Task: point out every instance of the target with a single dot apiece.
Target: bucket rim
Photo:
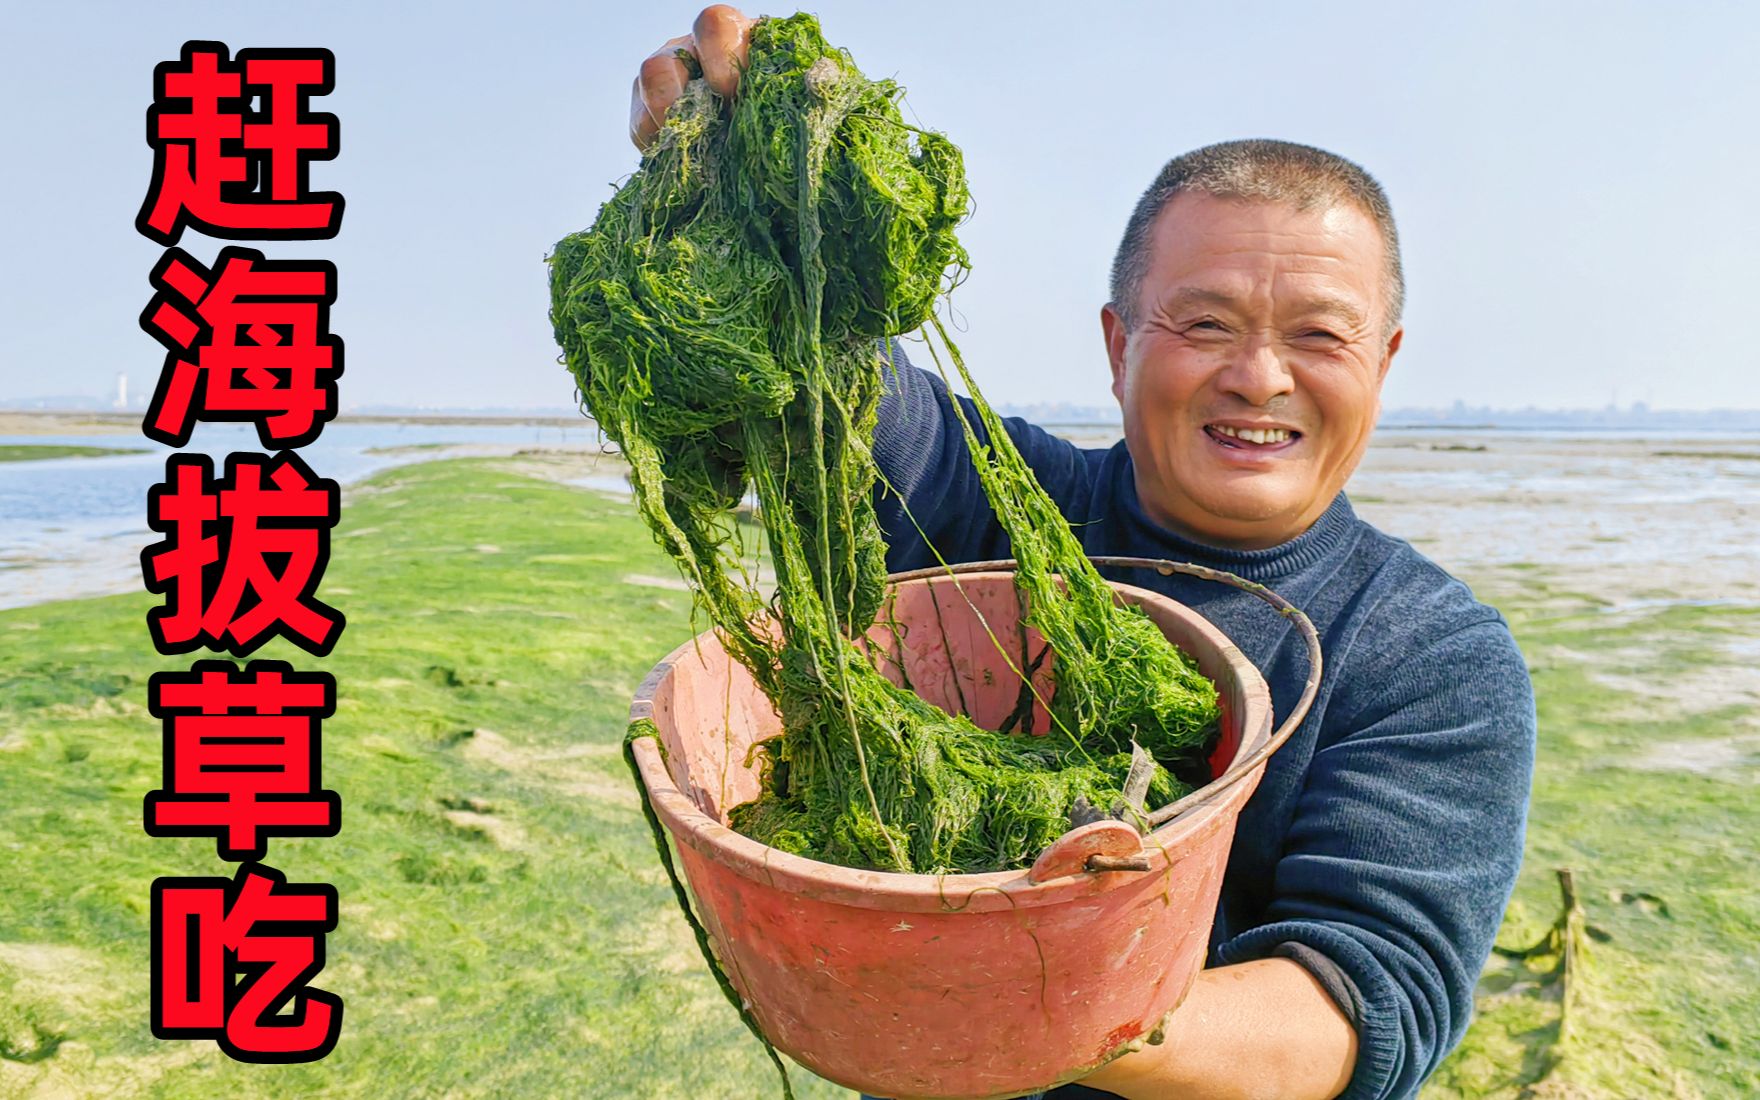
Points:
(688, 824)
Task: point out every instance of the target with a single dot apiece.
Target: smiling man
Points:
(1249, 337)
(1254, 313)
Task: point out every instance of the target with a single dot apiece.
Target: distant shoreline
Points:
(77, 422)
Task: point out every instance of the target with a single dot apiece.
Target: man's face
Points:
(1252, 317)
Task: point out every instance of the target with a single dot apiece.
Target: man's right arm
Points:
(929, 499)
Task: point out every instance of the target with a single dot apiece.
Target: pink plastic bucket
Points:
(956, 986)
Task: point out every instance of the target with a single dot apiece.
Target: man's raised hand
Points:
(718, 42)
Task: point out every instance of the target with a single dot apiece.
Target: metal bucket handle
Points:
(1237, 769)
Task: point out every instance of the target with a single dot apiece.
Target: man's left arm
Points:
(1400, 858)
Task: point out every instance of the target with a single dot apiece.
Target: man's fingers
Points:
(718, 40)
(639, 131)
(657, 87)
(721, 33)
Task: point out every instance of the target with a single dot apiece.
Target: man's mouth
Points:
(1249, 439)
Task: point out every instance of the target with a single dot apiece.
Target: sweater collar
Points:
(1311, 546)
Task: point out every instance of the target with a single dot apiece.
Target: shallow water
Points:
(1597, 512)
(75, 526)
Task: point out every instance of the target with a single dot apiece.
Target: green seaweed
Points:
(722, 319)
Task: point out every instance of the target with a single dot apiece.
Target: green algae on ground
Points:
(723, 319)
(37, 452)
(541, 960)
(1667, 1002)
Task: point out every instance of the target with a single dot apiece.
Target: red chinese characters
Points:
(230, 955)
(242, 760)
(233, 171)
(242, 557)
(248, 341)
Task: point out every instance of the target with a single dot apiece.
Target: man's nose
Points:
(1256, 374)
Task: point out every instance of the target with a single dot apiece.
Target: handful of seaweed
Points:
(723, 319)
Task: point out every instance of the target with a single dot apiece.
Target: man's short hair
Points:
(1262, 170)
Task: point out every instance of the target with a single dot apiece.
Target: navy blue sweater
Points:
(1381, 846)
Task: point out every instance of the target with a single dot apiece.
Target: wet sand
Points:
(1633, 522)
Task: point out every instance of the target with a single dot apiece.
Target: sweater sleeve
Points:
(1403, 850)
(929, 494)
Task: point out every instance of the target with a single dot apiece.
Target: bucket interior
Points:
(937, 635)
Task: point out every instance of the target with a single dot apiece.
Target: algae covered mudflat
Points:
(506, 929)
(1634, 591)
(37, 452)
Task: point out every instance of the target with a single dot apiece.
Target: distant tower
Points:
(121, 390)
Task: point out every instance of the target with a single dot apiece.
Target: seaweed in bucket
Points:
(722, 319)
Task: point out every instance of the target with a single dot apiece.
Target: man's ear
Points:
(1387, 356)
(1117, 336)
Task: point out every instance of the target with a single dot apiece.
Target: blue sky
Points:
(1575, 183)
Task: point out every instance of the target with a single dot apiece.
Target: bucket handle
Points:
(1237, 769)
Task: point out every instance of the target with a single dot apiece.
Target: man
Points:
(1255, 311)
